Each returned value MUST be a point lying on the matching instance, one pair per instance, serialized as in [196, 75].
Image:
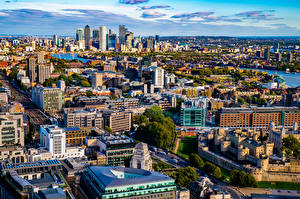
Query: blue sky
[150, 17]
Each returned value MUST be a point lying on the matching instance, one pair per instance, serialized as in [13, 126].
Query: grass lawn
[279, 185]
[187, 146]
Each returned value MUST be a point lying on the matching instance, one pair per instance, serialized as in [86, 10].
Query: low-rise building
[11, 129]
[121, 182]
[118, 121]
[118, 149]
[193, 112]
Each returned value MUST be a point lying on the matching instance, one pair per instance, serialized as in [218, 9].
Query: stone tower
[141, 158]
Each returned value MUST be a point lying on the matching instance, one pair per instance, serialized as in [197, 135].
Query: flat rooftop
[122, 176]
[116, 139]
[259, 109]
[30, 164]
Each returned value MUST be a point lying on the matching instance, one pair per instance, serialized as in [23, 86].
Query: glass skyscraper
[79, 34]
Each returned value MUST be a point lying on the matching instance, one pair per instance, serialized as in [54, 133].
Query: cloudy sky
[150, 17]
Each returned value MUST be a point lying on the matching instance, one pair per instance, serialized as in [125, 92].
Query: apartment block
[257, 116]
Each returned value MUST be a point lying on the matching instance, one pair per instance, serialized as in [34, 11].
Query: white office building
[102, 39]
[53, 140]
[159, 76]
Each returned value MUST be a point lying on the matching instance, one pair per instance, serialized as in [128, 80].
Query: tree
[155, 128]
[89, 94]
[241, 100]
[108, 129]
[154, 113]
[291, 147]
[186, 175]
[196, 161]
[213, 170]
[84, 83]
[13, 73]
[242, 179]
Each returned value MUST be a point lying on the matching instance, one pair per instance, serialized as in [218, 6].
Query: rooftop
[114, 176]
[116, 139]
[30, 164]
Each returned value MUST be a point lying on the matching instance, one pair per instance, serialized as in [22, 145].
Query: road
[37, 117]
[169, 159]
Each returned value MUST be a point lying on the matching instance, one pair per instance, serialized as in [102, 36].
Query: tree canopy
[155, 128]
[291, 147]
[242, 179]
[185, 175]
[196, 161]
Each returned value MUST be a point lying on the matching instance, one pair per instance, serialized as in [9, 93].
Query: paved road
[169, 159]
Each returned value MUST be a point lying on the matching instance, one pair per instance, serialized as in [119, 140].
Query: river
[69, 56]
[291, 79]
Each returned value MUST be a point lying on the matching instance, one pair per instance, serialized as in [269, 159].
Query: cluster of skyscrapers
[101, 39]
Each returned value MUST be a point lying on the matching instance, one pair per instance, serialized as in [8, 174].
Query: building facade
[48, 99]
[120, 182]
[193, 113]
[257, 116]
[118, 149]
[118, 121]
[11, 129]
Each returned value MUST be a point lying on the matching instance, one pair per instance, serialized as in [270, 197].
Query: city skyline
[150, 17]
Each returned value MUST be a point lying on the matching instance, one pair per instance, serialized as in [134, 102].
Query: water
[69, 56]
[291, 79]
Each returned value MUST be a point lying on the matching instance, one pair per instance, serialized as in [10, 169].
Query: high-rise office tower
[267, 54]
[128, 40]
[111, 41]
[97, 80]
[157, 38]
[102, 40]
[64, 43]
[31, 69]
[159, 77]
[290, 57]
[79, 34]
[43, 73]
[122, 34]
[62, 85]
[41, 57]
[278, 57]
[276, 48]
[149, 43]
[55, 39]
[96, 34]
[87, 36]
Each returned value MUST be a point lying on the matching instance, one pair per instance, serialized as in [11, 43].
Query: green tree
[291, 147]
[213, 170]
[89, 94]
[13, 73]
[186, 175]
[241, 100]
[108, 129]
[84, 83]
[196, 161]
[155, 113]
[159, 131]
[242, 179]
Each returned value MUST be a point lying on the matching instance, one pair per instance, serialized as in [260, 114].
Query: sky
[151, 17]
